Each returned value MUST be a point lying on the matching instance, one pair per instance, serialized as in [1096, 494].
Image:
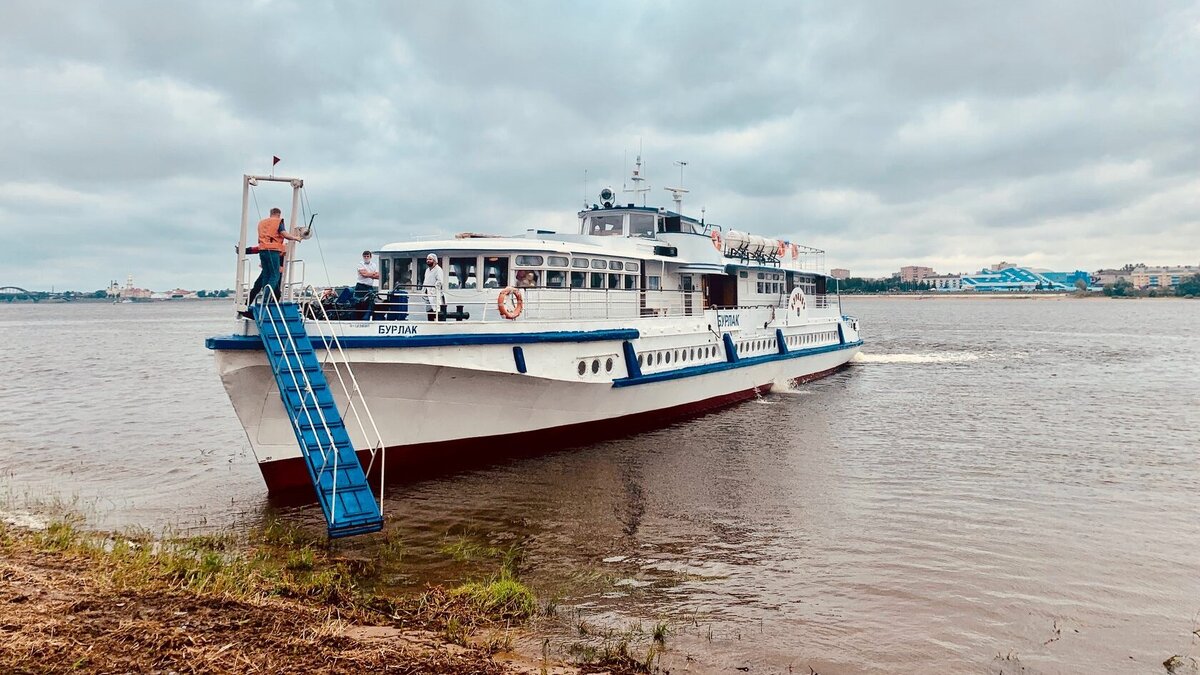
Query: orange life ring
[518, 303]
[782, 247]
[795, 251]
[716, 240]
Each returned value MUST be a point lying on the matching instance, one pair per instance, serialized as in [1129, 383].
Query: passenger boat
[638, 317]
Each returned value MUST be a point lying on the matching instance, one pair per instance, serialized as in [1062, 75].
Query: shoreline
[277, 599]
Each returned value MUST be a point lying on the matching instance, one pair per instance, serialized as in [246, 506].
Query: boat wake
[931, 357]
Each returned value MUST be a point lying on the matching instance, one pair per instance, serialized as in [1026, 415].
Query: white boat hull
[479, 405]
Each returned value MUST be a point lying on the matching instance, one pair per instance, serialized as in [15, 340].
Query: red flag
[274, 160]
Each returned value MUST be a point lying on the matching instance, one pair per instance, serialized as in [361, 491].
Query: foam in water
[931, 357]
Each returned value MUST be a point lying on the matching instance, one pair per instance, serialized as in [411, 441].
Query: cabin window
[614, 280]
[743, 275]
[616, 265]
[530, 261]
[631, 267]
[385, 272]
[606, 226]
[556, 279]
[578, 279]
[760, 287]
[402, 271]
[527, 278]
[597, 280]
[495, 270]
[630, 282]
[460, 273]
[641, 224]
[599, 264]
[653, 283]
[579, 263]
[557, 261]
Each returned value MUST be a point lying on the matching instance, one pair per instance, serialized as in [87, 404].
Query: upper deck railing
[537, 303]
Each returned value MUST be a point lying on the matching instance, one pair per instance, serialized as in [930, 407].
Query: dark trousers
[268, 277]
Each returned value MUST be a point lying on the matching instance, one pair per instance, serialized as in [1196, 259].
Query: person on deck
[368, 283]
[271, 235]
[434, 287]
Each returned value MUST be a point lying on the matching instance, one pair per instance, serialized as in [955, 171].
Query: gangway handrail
[266, 298]
[321, 323]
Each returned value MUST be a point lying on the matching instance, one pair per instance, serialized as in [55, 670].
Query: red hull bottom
[288, 479]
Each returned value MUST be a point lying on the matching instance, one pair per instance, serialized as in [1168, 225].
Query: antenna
[585, 201]
[637, 179]
[677, 193]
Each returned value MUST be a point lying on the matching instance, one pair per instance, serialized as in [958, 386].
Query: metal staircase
[337, 476]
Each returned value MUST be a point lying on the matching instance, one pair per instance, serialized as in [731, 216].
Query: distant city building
[1002, 265]
[1022, 279]
[1144, 276]
[914, 273]
[839, 273]
[945, 282]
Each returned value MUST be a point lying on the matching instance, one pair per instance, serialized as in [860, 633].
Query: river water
[995, 485]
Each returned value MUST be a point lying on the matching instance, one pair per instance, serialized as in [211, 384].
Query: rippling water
[993, 485]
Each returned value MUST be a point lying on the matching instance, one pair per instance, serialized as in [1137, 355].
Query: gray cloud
[936, 132]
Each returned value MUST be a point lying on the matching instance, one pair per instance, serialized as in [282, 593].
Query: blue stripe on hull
[461, 339]
[742, 362]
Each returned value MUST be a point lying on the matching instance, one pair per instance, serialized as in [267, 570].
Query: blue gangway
[337, 476]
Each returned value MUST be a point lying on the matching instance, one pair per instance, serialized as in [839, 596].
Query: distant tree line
[892, 285]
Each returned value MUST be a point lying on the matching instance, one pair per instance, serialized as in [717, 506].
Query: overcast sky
[948, 133]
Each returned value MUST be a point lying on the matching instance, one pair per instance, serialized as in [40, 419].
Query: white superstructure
[638, 317]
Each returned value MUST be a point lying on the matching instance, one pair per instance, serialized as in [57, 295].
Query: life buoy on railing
[795, 251]
[716, 240]
[782, 247]
[510, 310]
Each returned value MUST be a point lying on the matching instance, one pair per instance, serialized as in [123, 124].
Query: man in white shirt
[368, 282]
[434, 287]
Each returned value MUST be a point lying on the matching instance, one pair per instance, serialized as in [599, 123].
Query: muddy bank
[79, 601]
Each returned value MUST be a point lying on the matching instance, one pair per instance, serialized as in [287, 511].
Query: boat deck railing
[537, 303]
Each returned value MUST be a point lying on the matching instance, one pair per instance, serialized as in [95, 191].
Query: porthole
[693, 353]
[668, 357]
[676, 356]
[659, 359]
[640, 357]
[582, 368]
[595, 366]
[608, 365]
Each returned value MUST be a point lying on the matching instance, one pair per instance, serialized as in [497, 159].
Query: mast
[677, 193]
[637, 179]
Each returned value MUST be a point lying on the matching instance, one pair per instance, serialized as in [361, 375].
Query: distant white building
[944, 282]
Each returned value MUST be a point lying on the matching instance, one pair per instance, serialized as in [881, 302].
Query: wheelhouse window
[641, 225]
[606, 226]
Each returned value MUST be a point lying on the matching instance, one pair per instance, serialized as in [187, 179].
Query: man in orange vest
[271, 236]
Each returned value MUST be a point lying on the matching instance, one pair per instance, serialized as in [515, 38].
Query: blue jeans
[268, 277]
